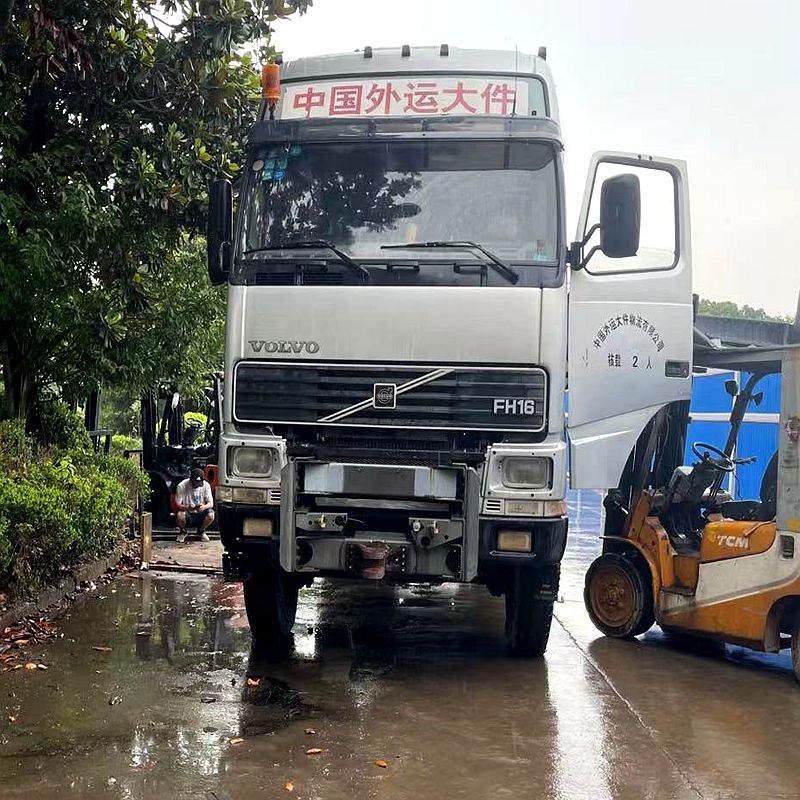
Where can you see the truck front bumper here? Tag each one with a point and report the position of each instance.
(548, 540)
(452, 543)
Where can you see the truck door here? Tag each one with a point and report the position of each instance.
(630, 309)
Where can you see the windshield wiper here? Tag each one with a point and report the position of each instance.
(511, 275)
(314, 244)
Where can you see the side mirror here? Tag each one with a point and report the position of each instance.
(731, 387)
(620, 216)
(220, 231)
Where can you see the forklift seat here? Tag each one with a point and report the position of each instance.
(757, 510)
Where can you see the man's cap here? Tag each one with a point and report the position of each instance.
(197, 476)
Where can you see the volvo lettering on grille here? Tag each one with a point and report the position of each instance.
(296, 347)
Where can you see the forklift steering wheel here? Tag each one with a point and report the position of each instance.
(724, 463)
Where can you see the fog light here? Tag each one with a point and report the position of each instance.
(514, 541)
(257, 527)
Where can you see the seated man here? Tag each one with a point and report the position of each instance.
(195, 505)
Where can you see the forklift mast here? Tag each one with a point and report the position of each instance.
(658, 452)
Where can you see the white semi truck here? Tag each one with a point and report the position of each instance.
(403, 308)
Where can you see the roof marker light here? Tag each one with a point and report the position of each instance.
(444, 50)
(543, 53)
(405, 51)
(367, 52)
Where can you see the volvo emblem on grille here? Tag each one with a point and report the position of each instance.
(384, 395)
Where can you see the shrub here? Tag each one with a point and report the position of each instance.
(60, 428)
(120, 443)
(15, 447)
(126, 472)
(59, 501)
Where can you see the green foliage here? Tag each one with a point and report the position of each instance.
(727, 308)
(116, 117)
(59, 502)
(179, 338)
(120, 443)
(195, 416)
(59, 428)
(120, 410)
(16, 450)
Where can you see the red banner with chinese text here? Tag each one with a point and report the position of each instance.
(407, 96)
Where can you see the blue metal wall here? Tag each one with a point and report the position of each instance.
(759, 433)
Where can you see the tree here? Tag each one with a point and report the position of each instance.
(180, 336)
(727, 308)
(116, 115)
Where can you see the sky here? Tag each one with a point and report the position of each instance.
(713, 82)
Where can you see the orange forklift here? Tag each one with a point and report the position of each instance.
(680, 552)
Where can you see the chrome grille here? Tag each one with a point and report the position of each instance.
(439, 397)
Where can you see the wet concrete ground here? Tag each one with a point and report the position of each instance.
(416, 678)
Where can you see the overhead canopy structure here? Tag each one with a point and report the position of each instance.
(742, 359)
(738, 332)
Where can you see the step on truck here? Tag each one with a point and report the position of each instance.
(403, 310)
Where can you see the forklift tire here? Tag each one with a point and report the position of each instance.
(796, 647)
(528, 616)
(617, 596)
(270, 599)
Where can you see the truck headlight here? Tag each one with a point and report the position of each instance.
(251, 462)
(526, 472)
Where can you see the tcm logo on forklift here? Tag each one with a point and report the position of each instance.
(741, 542)
(514, 405)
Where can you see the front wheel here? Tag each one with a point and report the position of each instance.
(270, 599)
(528, 614)
(617, 598)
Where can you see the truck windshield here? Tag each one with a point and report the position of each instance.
(361, 196)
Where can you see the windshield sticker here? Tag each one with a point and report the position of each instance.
(276, 165)
(402, 97)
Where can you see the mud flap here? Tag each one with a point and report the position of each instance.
(471, 541)
(287, 529)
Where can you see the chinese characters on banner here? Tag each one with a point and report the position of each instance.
(398, 97)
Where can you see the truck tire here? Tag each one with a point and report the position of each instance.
(617, 596)
(270, 599)
(528, 616)
(796, 647)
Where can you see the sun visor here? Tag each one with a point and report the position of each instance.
(280, 132)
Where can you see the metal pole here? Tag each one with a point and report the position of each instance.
(146, 528)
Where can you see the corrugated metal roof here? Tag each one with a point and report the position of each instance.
(736, 332)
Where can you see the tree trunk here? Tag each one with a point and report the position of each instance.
(18, 385)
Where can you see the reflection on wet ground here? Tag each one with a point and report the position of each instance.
(416, 678)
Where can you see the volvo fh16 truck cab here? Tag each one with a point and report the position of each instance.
(403, 305)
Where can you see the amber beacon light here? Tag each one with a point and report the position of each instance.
(271, 85)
